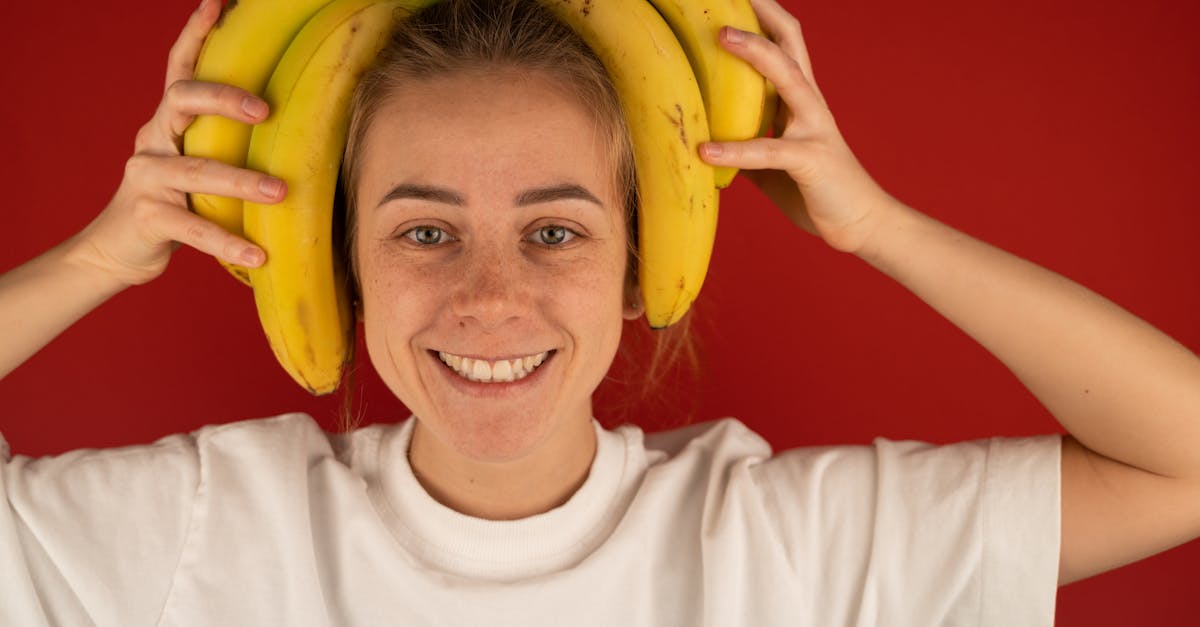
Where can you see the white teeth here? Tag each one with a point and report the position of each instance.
(482, 371)
(501, 371)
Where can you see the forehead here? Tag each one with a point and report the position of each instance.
(486, 124)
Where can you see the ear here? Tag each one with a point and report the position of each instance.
(633, 308)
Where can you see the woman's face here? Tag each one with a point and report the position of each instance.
(489, 233)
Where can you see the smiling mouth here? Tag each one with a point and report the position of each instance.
(499, 371)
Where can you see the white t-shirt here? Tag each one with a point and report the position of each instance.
(275, 522)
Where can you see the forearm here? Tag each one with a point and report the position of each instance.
(43, 297)
(1117, 384)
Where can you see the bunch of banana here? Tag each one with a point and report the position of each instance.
(677, 88)
(301, 292)
(241, 50)
(732, 89)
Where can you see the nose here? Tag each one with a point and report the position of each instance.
(489, 290)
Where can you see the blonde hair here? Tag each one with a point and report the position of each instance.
(455, 37)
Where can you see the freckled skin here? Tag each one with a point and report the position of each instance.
(491, 287)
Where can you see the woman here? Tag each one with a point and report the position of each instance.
(506, 503)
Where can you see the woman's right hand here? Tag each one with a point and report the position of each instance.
(148, 218)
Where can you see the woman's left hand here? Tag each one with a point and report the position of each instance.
(806, 168)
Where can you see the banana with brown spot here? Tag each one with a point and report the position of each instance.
(242, 50)
(301, 292)
(662, 103)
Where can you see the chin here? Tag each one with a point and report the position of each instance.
(494, 438)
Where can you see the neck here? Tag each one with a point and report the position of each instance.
(536, 483)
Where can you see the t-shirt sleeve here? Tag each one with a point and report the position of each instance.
(912, 533)
(93, 536)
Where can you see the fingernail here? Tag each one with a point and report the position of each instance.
(270, 186)
(734, 36)
(714, 150)
(253, 257)
(254, 107)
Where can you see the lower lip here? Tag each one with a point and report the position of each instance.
(479, 388)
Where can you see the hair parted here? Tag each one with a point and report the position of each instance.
(465, 37)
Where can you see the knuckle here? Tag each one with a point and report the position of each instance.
(232, 98)
(193, 169)
(135, 165)
(176, 90)
(177, 51)
(247, 187)
(141, 141)
(791, 24)
(227, 91)
(795, 70)
(196, 231)
(231, 249)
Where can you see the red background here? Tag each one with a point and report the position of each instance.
(1063, 131)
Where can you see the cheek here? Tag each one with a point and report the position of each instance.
(393, 292)
(598, 302)
(396, 302)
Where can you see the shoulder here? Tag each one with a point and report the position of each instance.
(892, 477)
(291, 435)
(728, 437)
(906, 468)
(290, 438)
(292, 424)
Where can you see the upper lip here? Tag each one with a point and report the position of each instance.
(510, 356)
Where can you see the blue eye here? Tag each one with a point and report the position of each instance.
(554, 235)
(426, 235)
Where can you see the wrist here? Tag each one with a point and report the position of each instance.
(83, 259)
(890, 221)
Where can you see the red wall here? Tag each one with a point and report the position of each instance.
(1063, 131)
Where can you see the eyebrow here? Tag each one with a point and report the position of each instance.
(564, 191)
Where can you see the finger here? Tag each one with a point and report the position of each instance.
(795, 90)
(763, 153)
(204, 176)
(181, 61)
(783, 28)
(188, 228)
(185, 100)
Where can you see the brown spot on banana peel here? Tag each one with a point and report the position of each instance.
(682, 128)
(678, 123)
(584, 8)
(304, 318)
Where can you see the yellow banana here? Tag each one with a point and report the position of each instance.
(661, 100)
(301, 291)
(241, 50)
(733, 90)
(770, 109)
